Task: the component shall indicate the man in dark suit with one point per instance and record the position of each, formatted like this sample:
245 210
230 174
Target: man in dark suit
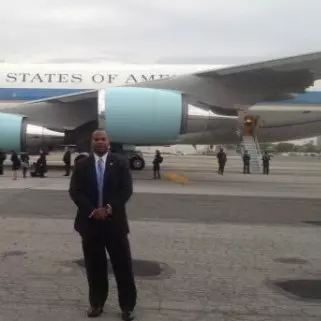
100 186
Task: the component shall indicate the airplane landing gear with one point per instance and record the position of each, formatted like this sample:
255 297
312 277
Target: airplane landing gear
137 163
135 157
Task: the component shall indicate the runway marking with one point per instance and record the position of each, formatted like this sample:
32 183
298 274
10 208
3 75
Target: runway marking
179 179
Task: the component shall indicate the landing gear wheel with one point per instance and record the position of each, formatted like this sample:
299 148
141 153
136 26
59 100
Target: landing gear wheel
137 163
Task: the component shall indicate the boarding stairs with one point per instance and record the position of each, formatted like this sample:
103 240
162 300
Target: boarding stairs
250 143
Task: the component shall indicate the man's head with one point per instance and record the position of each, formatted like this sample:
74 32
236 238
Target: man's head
100 142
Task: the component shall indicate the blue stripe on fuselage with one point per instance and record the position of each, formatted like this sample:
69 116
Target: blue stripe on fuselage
29 94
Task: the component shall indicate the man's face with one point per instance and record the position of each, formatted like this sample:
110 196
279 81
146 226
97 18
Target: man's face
100 142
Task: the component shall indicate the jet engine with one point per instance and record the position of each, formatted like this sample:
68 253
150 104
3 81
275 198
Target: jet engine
147 116
19 135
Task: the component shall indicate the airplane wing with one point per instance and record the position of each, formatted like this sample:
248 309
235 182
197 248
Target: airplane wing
249 84
60 112
232 87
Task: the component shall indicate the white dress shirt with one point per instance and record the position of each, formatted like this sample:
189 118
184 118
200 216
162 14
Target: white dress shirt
103 158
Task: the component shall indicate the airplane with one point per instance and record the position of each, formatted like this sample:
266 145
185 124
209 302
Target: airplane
43 106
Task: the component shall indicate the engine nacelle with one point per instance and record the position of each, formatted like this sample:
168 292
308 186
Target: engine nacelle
17 134
147 116
141 115
11 136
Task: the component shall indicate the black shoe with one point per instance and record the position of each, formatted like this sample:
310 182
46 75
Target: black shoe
94 312
127 315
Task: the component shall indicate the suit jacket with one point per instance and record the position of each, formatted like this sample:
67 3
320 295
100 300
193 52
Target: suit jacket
118 188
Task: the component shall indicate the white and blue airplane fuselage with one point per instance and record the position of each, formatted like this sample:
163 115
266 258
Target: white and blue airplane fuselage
154 104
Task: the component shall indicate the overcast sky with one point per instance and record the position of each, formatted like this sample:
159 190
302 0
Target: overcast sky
148 31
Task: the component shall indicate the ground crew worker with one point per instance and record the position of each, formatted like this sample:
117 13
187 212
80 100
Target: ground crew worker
67 161
16 163
221 157
156 164
24 158
266 163
42 164
246 163
2 159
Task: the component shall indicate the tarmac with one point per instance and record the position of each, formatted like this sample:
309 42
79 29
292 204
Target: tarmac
213 248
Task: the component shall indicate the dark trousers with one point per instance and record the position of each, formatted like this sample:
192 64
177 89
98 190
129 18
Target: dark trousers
266 170
67 168
156 170
97 271
246 168
40 170
1 168
221 167
24 172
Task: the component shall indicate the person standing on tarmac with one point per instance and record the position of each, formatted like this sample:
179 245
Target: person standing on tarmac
156 164
24 158
266 163
2 159
67 161
42 164
16 163
221 157
246 163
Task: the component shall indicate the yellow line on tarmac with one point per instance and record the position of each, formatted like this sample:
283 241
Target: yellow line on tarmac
178 179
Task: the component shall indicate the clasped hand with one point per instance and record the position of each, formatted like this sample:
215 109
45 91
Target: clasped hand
101 213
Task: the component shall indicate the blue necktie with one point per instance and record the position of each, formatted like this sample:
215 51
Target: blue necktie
100 181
